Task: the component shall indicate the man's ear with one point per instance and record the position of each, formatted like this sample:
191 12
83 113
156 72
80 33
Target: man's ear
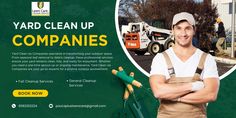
172 30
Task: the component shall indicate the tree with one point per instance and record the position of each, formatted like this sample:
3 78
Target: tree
163 10
126 9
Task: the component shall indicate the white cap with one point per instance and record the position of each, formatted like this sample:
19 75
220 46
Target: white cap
183 16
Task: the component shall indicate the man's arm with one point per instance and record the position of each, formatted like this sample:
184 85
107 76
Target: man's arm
207 94
162 90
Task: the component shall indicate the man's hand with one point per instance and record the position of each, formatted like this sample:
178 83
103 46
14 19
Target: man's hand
163 90
198 85
207 94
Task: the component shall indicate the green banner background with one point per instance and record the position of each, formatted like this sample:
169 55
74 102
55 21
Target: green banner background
108 89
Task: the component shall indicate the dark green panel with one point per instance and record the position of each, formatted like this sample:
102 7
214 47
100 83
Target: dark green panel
108 89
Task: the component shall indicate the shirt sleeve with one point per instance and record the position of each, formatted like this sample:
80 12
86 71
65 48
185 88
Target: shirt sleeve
159 66
210 68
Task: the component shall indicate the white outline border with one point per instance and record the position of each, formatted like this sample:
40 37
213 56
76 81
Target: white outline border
121 42
228 72
132 60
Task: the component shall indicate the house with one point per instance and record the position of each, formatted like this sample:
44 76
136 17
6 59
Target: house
225 12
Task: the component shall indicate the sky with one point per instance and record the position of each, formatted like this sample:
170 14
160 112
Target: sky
198 0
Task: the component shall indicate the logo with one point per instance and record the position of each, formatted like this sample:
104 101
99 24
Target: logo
13 106
40 9
40 5
50 106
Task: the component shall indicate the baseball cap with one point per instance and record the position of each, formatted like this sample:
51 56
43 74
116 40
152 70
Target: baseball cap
183 16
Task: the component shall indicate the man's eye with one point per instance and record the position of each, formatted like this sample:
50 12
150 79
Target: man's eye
178 28
188 28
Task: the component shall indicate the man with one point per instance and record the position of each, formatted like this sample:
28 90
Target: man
183 77
221 36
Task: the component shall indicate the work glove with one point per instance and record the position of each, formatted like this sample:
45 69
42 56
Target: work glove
198 85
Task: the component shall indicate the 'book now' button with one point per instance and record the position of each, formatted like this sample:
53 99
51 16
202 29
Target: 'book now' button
30 93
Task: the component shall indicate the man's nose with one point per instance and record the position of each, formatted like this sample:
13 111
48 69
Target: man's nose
183 33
